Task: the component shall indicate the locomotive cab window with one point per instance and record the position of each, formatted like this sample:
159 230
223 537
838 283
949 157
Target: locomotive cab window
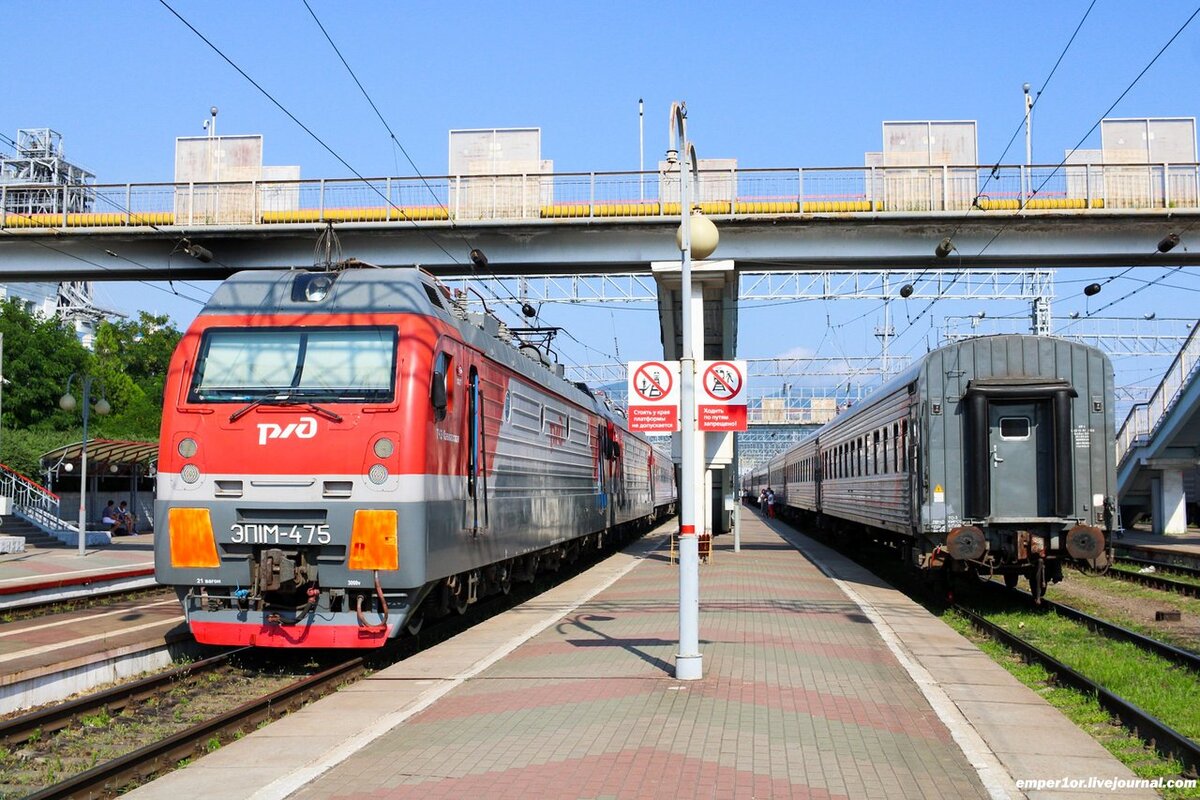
1014 428
439 387
286 365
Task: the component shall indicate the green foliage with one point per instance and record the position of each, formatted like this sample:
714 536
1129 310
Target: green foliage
131 358
100 719
39 354
22 449
129 367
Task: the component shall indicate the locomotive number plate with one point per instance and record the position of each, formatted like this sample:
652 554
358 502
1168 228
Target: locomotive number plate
265 533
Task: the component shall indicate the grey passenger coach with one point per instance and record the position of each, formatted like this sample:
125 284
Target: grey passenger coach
993 455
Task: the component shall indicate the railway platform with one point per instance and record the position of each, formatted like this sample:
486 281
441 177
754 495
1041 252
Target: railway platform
1182 544
819 681
43 660
40 575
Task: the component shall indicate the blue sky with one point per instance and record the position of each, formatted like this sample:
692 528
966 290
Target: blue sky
771 84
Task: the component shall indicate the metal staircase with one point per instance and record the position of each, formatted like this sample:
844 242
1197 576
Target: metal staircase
36 510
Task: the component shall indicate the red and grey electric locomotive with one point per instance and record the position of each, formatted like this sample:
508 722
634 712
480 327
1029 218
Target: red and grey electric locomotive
347 452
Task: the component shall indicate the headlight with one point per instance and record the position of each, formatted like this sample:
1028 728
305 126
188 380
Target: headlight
187 447
384 447
190 473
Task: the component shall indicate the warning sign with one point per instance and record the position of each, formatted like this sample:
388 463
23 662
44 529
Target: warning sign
721 401
654 396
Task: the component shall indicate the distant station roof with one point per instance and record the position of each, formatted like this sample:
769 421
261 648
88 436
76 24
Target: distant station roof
103 454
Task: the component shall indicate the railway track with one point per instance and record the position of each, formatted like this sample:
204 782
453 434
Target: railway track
109 777
98 596
1182 562
1156 580
1161 736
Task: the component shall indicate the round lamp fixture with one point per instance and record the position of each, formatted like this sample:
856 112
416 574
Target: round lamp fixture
103 408
703 233
67 402
318 288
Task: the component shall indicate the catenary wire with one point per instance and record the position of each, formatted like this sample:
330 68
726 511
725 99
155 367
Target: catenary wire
1096 124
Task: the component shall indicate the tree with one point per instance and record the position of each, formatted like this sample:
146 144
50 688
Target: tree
40 353
129 367
131 358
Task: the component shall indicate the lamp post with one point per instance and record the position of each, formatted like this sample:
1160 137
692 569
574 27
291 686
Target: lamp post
1028 179
689 663
67 403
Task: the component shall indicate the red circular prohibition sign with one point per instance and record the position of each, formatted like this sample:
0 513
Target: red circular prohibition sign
665 390
733 390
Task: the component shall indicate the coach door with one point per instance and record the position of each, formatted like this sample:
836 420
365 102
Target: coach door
1021 460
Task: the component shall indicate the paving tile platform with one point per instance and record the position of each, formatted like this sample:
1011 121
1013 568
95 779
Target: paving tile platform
46 571
1187 544
814 686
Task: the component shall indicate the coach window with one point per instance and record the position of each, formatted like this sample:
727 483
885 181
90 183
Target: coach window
896 463
875 454
904 444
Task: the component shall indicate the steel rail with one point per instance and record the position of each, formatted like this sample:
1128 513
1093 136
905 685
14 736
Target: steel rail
1182 569
37 608
1163 738
1113 631
109 777
1154 581
19 730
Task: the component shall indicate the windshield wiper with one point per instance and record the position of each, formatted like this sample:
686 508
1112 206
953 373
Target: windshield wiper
332 416
246 409
284 400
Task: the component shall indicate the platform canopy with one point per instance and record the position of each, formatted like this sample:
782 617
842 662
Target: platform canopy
112 456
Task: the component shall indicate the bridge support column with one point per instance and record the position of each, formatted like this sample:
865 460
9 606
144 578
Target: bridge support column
1167 502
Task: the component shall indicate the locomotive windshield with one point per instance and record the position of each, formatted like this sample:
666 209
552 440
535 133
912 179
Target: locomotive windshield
316 364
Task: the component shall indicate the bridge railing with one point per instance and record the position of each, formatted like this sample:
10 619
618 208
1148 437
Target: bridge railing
30 499
550 196
1144 418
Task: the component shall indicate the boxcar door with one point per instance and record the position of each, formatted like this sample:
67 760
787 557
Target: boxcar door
1022 471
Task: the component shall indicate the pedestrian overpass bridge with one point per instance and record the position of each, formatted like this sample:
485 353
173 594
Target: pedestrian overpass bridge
914 218
1158 446
613 222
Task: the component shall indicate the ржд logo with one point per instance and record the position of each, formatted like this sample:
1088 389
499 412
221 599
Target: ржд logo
306 428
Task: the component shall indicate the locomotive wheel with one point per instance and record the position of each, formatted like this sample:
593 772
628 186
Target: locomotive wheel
415 622
455 596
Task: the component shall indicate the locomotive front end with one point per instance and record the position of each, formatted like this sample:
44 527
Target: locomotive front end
293 516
